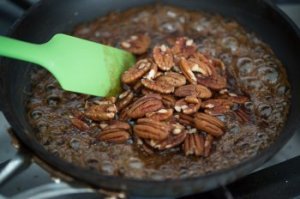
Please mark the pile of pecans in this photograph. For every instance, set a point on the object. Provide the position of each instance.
(172, 99)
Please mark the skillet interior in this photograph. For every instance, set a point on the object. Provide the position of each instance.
(61, 16)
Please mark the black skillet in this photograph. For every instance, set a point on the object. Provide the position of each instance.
(53, 16)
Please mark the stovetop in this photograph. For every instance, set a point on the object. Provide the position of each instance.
(279, 180)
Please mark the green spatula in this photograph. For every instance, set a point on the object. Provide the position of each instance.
(78, 65)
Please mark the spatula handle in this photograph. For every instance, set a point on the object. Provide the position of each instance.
(21, 50)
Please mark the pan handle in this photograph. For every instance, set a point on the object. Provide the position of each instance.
(13, 167)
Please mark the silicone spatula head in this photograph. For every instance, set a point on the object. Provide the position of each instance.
(78, 65)
(86, 67)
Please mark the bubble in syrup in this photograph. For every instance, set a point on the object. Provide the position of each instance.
(226, 58)
(92, 163)
(135, 163)
(36, 114)
(107, 168)
(75, 144)
(230, 43)
(252, 83)
(249, 106)
(53, 100)
(268, 74)
(245, 66)
(282, 90)
(50, 87)
(42, 127)
(234, 129)
(264, 110)
(168, 27)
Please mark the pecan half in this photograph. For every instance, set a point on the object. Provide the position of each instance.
(217, 80)
(193, 90)
(168, 101)
(173, 79)
(186, 68)
(193, 144)
(184, 119)
(124, 99)
(116, 132)
(150, 129)
(163, 57)
(148, 103)
(137, 71)
(81, 125)
(242, 116)
(184, 47)
(117, 125)
(115, 135)
(101, 112)
(234, 98)
(188, 105)
(152, 72)
(216, 106)
(137, 44)
(209, 124)
(171, 141)
(200, 64)
(160, 115)
(158, 86)
(208, 145)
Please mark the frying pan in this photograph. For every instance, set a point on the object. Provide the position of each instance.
(49, 17)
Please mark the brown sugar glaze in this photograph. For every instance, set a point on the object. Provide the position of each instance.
(252, 70)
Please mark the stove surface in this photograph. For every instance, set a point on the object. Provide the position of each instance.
(34, 176)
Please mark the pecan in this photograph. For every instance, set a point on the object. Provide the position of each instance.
(171, 141)
(123, 114)
(160, 115)
(184, 47)
(117, 125)
(124, 99)
(234, 98)
(209, 124)
(158, 86)
(193, 90)
(116, 132)
(148, 103)
(188, 105)
(185, 119)
(173, 79)
(81, 125)
(146, 91)
(200, 64)
(193, 144)
(217, 80)
(152, 72)
(137, 71)
(216, 106)
(143, 147)
(137, 44)
(101, 112)
(218, 110)
(208, 145)
(151, 129)
(168, 101)
(105, 101)
(242, 116)
(163, 57)
(114, 135)
(186, 68)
